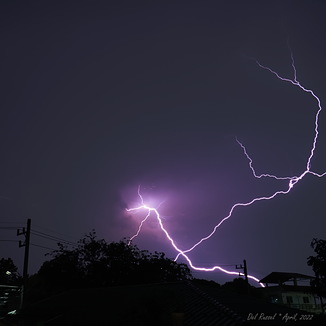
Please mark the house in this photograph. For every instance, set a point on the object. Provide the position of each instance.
(292, 290)
(10, 299)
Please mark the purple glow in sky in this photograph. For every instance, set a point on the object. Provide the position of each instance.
(150, 211)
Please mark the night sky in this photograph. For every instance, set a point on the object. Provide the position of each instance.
(99, 97)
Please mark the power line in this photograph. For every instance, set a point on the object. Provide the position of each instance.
(39, 233)
(52, 238)
(36, 233)
(36, 245)
(48, 236)
(12, 222)
(9, 240)
(52, 231)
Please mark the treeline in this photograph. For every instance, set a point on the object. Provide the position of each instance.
(97, 263)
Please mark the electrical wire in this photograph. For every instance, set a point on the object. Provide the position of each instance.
(13, 222)
(38, 234)
(52, 238)
(47, 230)
(36, 245)
(9, 240)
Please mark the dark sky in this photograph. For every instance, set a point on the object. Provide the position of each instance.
(98, 97)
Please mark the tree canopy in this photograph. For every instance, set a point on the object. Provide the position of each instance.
(94, 262)
(318, 262)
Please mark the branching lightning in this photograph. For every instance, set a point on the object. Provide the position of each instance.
(292, 181)
(151, 210)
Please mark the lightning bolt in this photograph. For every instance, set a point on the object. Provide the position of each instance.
(151, 210)
(292, 181)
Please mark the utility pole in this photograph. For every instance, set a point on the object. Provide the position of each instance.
(245, 273)
(27, 233)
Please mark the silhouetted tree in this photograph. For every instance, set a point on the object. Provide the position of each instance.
(318, 264)
(107, 263)
(157, 268)
(63, 271)
(95, 262)
(238, 285)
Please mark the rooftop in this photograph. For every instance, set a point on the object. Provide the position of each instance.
(282, 277)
